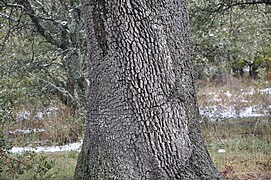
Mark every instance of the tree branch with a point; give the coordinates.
(31, 13)
(226, 4)
(4, 16)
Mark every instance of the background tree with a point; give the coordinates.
(43, 49)
(229, 36)
(143, 117)
(46, 42)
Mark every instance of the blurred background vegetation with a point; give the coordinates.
(43, 48)
(43, 61)
(230, 39)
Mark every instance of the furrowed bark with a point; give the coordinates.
(143, 117)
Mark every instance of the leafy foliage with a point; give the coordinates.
(228, 35)
(35, 165)
(46, 48)
(44, 52)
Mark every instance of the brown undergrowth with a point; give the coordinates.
(52, 125)
(246, 145)
(240, 148)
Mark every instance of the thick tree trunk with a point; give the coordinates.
(143, 117)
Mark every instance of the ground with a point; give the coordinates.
(236, 125)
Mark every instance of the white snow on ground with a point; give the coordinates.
(26, 115)
(233, 111)
(250, 112)
(267, 90)
(215, 112)
(228, 94)
(26, 131)
(49, 149)
(216, 98)
(253, 91)
(22, 116)
(221, 151)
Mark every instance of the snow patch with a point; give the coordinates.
(228, 94)
(22, 116)
(250, 112)
(49, 149)
(221, 112)
(221, 151)
(26, 131)
(267, 90)
(26, 115)
(216, 98)
(253, 91)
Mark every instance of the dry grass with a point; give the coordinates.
(229, 95)
(65, 164)
(63, 167)
(247, 145)
(59, 126)
(246, 142)
(235, 95)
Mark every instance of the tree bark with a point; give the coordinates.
(143, 116)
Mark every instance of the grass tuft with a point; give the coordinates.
(247, 147)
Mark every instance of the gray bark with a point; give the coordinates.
(143, 117)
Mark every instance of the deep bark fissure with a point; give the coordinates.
(142, 98)
(99, 18)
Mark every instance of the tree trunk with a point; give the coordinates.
(143, 116)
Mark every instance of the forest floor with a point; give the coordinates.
(234, 100)
(236, 125)
(240, 149)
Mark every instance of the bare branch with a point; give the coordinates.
(4, 16)
(31, 13)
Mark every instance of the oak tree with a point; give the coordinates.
(143, 115)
